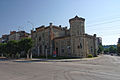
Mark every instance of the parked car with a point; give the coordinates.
(111, 54)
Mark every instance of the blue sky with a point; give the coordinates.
(102, 16)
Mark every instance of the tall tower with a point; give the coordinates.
(77, 32)
(77, 26)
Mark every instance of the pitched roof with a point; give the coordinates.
(76, 18)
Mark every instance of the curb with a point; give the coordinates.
(53, 60)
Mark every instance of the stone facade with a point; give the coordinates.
(5, 38)
(18, 35)
(43, 38)
(71, 42)
(14, 36)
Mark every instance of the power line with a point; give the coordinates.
(103, 23)
(104, 18)
(31, 24)
(104, 27)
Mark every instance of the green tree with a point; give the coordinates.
(115, 50)
(106, 50)
(2, 48)
(12, 48)
(118, 49)
(25, 45)
(112, 49)
(100, 49)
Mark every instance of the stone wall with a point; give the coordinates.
(62, 46)
(66, 42)
(43, 38)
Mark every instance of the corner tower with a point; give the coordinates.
(77, 26)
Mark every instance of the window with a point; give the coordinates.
(78, 32)
(80, 45)
(40, 38)
(91, 49)
(40, 49)
(62, 50)
(81, 24)
(43, 35)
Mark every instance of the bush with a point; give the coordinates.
(90, 55)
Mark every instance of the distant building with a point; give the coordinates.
(18, 35)
(5, 38)
(73, 42)
(14, 36)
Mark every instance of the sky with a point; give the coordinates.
(102, 17)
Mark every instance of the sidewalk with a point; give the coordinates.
(54, 60)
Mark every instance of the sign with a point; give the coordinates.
(54, 53)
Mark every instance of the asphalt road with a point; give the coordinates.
(103, 68)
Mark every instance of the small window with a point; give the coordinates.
(39, 38)
(91, 49)
(45, 47)
(80, 45)
(43, 35)
(78, 32)
(62, 50)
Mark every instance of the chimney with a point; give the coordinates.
(60, 26)
(94, 35)
(12, 32)
(66, 27)
(50, 24)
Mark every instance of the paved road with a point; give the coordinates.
(103, 68)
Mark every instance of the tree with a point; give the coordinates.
(118, 49)
(112, 49)
(100, 49)
(25, 45)
(115, 50)
(106, 50)
(12, 48)
(2, 48)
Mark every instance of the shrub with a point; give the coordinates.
(90, 55)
